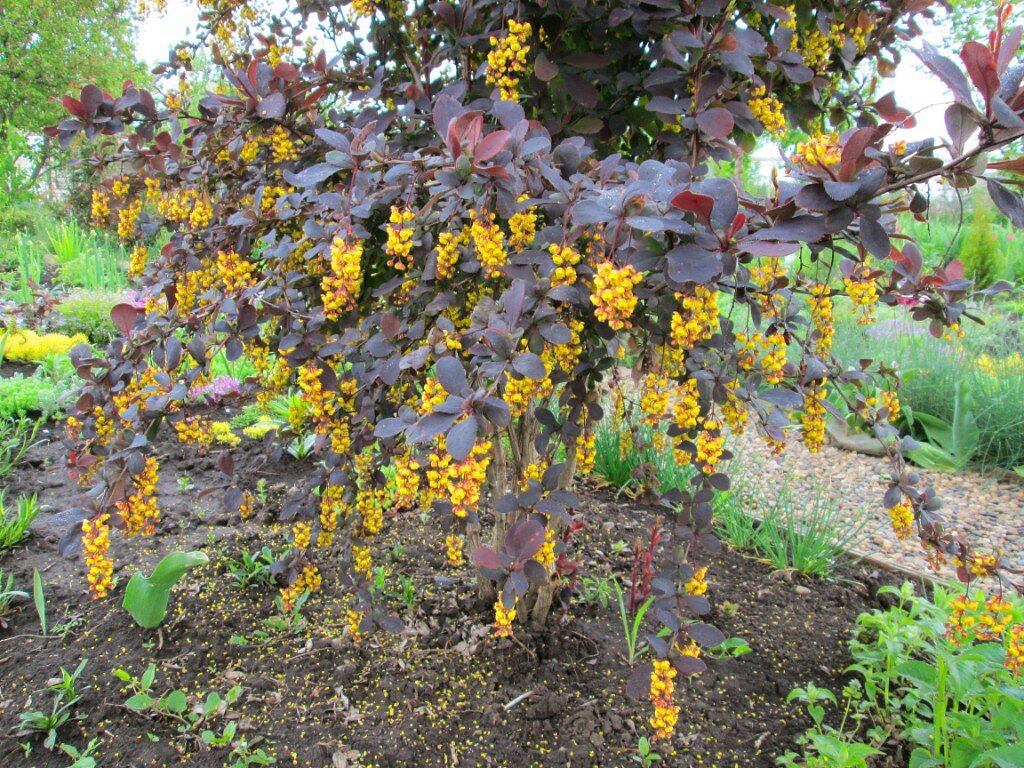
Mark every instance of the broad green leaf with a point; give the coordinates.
(174, 702)
(146, 596)
(139, 702)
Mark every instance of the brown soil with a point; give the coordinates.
(443, 692)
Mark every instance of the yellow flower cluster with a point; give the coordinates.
(247, 505)
(546, 554)
(565, 260)
(954, 331)
(697, 320)
(774, 348)
(186, 207)
(764, 275)
(863, 292)
(768, 110)
(710, 445)
(613, 298)
(27, 346)
(654, 396)
(342, 286)
(820, 151)
(363, 9)
(817, 46)
(698, 585)
(522, 226)
(891, 400)
(354, 620)
(586, 452)
(308, 580)
(302, 533)
(453, 550)
(399, 245)
(126, 219)
(258, 430)
(448, 246)
(507, 59)
(195, 430)
(282, 147)
(813, 417)
(859, 35)
(1012, 365)
(901, 518)
(152, 190)
(332, 506)
(139, 511)
(820, 302)
(221, 431)
(459, 482)
(137, 261)
(234, 271)
(370, 506)
(488, 243)
(503, 619)
(686, 409)
(433, 395)
(406, 482)
(95, 546)
(666, 711)
(100, 208)
(362, 560)
(1015, 650)
(734, 411)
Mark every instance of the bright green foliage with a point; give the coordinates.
(87, 259)
(146, 596)
(88, 312)
(20, 395)
(14, 523)
(926, 676)
(980, 253)
(50, 48)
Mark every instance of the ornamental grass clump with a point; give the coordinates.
(391, 265)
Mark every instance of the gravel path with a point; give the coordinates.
(989, 511)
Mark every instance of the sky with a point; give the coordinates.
(915, 88)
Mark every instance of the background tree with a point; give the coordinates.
(47, 49)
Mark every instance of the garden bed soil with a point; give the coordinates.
(442, 693)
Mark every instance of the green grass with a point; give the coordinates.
(932, 368)
(14, 523)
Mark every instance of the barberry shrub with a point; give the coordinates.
(453, 236)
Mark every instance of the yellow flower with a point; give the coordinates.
(820, 151)
(613, 298)
(768, 110)
(503, 619)
(95, 545)
(666, 712)
(488, 243)
(507, 59)
(308, 580)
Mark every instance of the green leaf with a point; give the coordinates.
(1009, 756)
(39, 598)
(139, 702)
(147, 677)
(174, 702)
(146, 597)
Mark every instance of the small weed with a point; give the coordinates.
(14, 524)
(66, 695)
(252, 569)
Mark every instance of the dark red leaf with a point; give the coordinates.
(716, 122)
(124, 316)
(981, 66)
(487, 558)
(491, 145)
